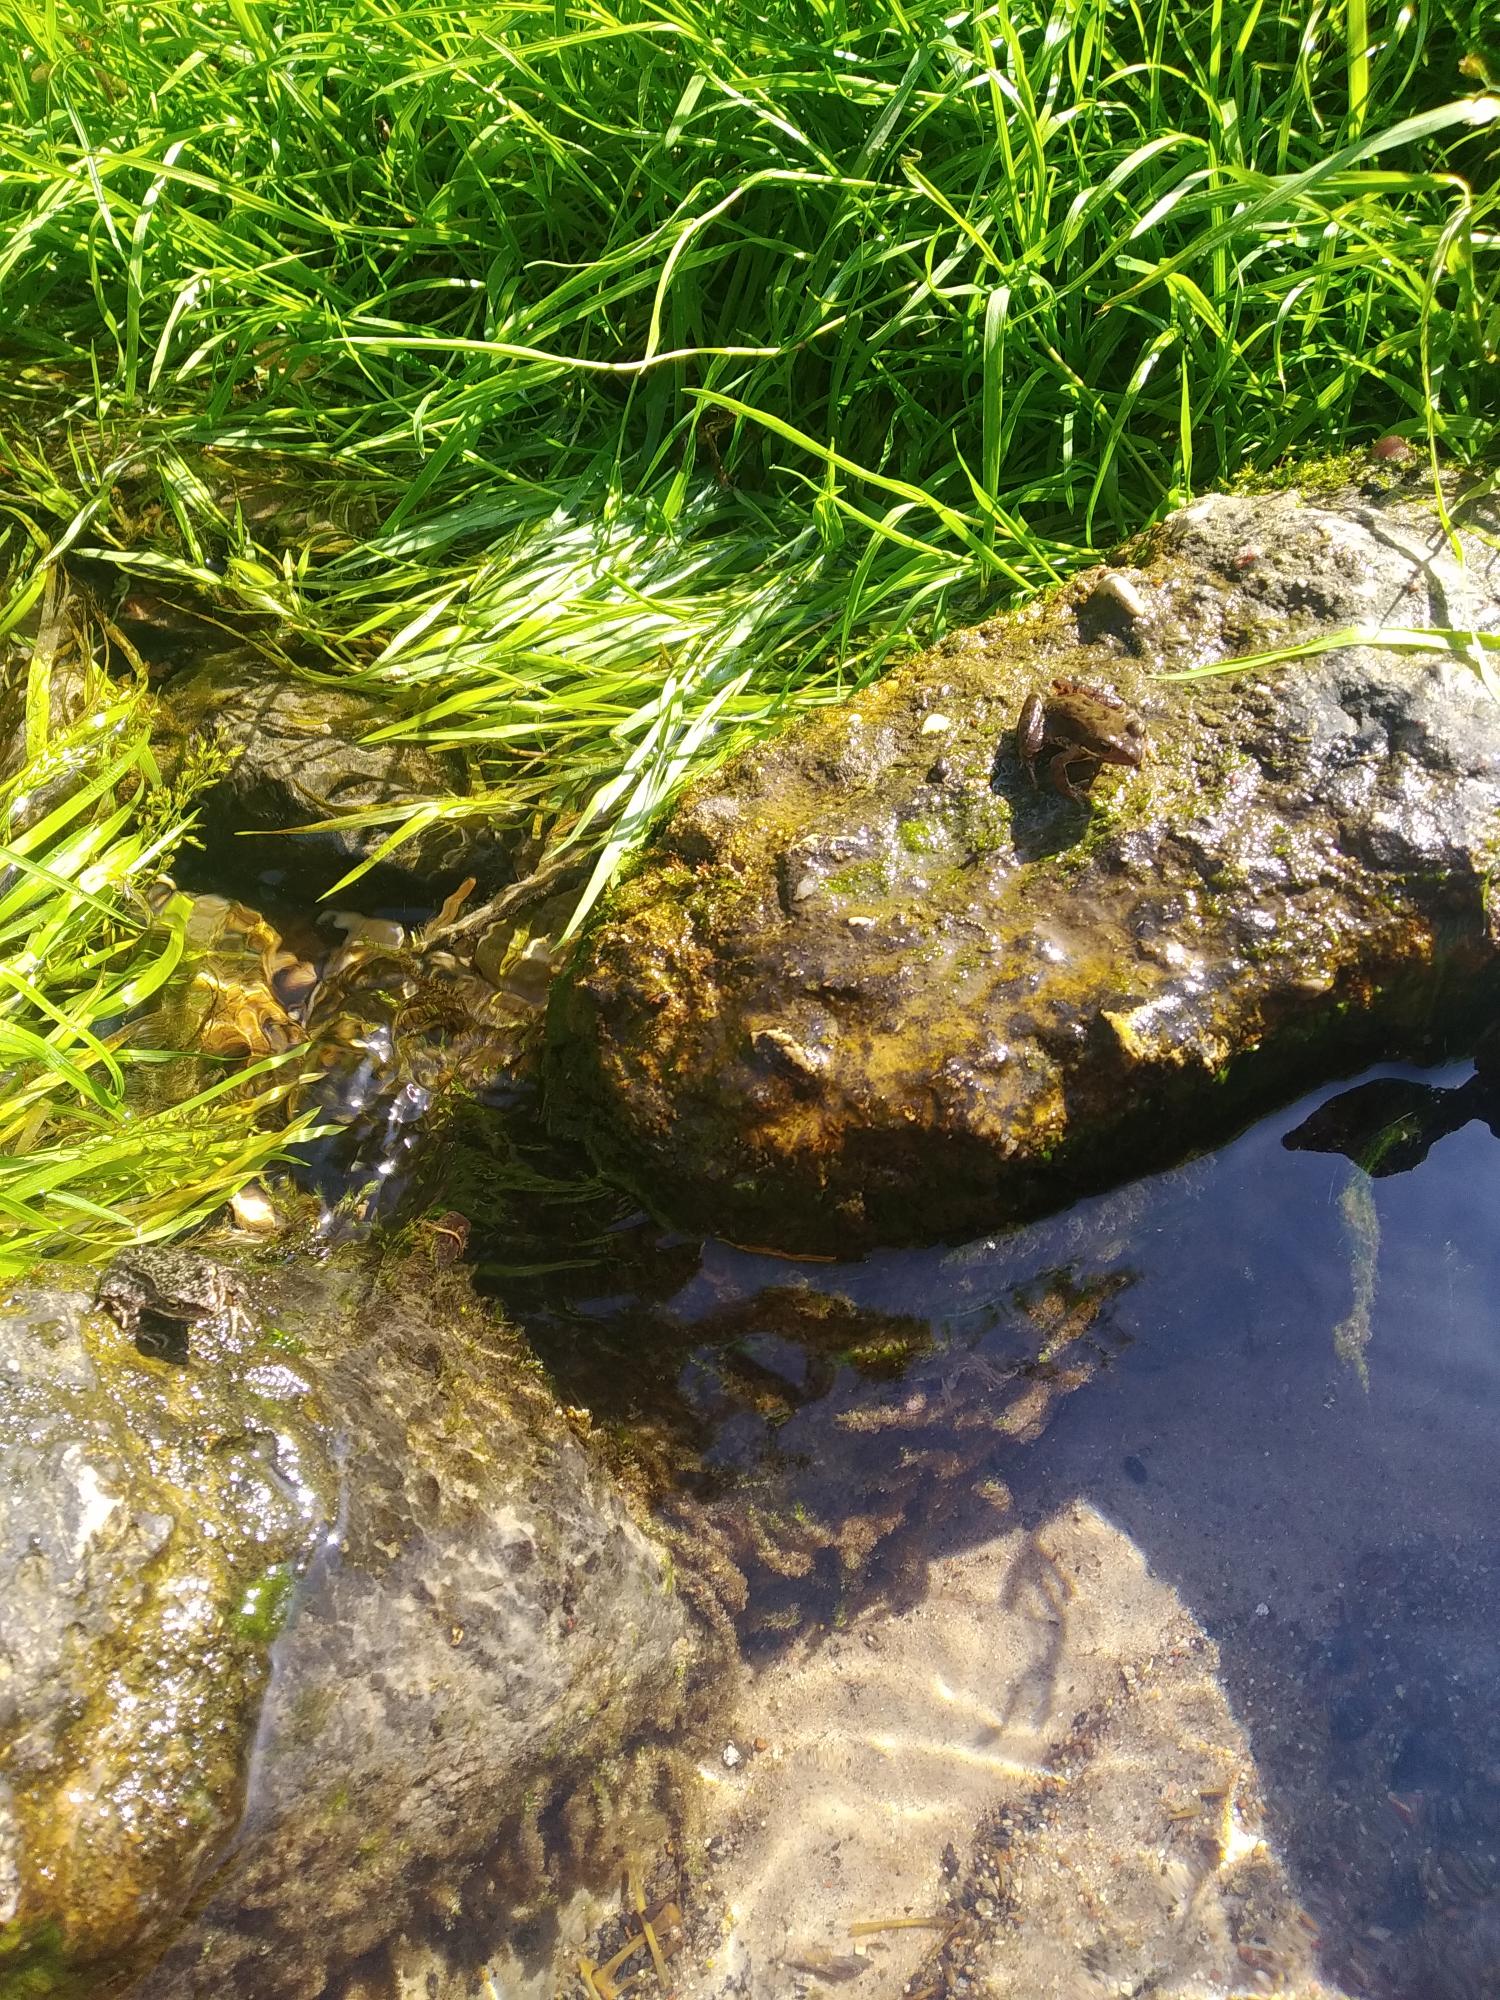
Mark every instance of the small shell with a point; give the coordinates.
(1120, 590)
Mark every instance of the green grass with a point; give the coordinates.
(1479, 651)
(90, 936)
(686, 357)
(605, 380)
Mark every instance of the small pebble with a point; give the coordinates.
(252, 1210)
(1120, 590)
(732, 1756)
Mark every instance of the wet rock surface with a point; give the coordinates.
(150, 1518)
(876, 984)
(321, 1632)
(302, 758)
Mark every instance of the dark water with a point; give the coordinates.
(1188, 1356)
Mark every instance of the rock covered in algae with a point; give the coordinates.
(319, 1630)
(874, 984)
(150, 1519)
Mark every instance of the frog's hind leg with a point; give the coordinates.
(1061, 772)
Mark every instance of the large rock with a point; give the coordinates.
(874, 985)
(318, 1624)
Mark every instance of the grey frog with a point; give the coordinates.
(156, 1293)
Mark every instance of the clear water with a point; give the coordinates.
(1186, 1357)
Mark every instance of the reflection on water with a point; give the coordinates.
(1174, 1360)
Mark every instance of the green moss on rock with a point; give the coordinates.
(831, 1042)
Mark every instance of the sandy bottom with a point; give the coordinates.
(1205, 1701)
(1055, 1696)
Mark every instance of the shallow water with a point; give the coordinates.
(1175, 1366)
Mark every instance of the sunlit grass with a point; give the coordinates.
(1478, 651)
(88, 1160)
(691, 358)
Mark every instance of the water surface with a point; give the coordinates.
(1275, 1378)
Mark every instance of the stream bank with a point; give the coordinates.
(863, 1472)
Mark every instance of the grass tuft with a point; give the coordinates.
(691, 358)
(90, 936)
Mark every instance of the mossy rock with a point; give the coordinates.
(305, 1631)
(800, 1024)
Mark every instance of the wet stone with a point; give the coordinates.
(843, 1004)
(141, 1534)
(303, 766)
(322, 1633)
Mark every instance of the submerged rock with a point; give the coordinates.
(319, 1626)
(303, 758)
(880, 981)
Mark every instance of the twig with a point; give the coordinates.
(873, 1924)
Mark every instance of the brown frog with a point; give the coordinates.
(1072, 731)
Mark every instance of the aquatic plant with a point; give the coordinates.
(1360, 1225)
(687, 358)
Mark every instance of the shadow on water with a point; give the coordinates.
(1276, 1372)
